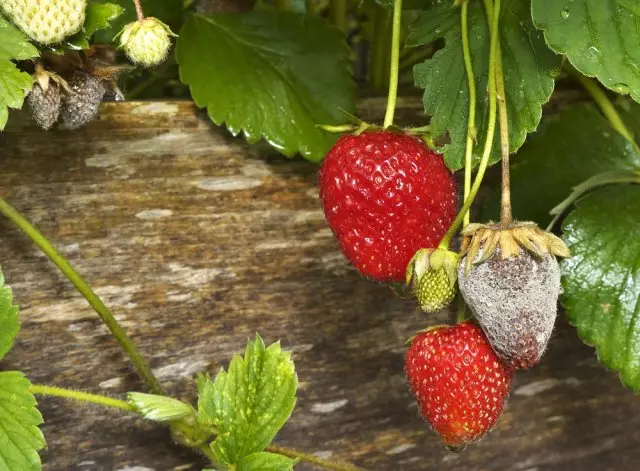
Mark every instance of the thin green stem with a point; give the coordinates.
(338, 14)
(461, 315)
(506, 216)
(491, 127)
(607, 108)
(381, 20)
(471, 126)
(81, 285)
(395, 61)
(291, 453)
(42, 390)
(283, 5)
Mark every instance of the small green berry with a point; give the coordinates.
(434, 290)
(146, 42)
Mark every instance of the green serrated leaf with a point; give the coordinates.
(9, 320)
(14, 85)
(264, 461)
(601, 280)
(271, 75)
(159, 408)
(20, 437)
(528, 64)
(600, 38)
(99, 16)
(567, 149)
(251, 402)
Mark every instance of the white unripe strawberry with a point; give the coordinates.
(46, 21)
(146, 42)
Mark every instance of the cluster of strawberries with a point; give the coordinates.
(390, 200)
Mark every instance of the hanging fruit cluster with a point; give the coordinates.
(392, 204)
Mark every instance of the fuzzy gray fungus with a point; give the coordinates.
(45, 105)
(80, 106)
(515, 302)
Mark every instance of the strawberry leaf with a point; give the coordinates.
(600, 38)
(271, 75)
(529, 68)
(567, 149)
(14, 84)
(159, 408)
(20, 437)
(602, 279)
(266, 462)
(250, 403)
(9, 321)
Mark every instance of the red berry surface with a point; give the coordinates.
(459, 382)
(386, 195)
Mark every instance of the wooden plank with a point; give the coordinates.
(197, 240)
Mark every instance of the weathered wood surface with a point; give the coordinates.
(197, 241)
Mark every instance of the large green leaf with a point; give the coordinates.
(99, 16)
(9, 321)
(20, 437)
(249, 403)
(567, 149)
(602, 279)
(14, 85)
(271, 75)
(264, 461)
(529, 69)
(599, 37)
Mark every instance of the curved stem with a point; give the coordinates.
(607, 108)
(52, 391)
(338, 13)
(139, 10)
(291, 453)
(471, 126)
(491, 127)
(395, 61)
(81, 285)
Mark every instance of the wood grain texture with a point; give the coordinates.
(196, 241)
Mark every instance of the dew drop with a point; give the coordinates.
(565, 13)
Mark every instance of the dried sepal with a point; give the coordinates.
(482, 240)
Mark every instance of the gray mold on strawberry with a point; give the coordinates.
(515, 302)
(45, 104)
(81, 104)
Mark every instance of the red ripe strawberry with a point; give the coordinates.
(386, 195)
(459, 382)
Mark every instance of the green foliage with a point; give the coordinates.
(529, 70)
(249, 404)
(99, 16)
(9, 321)
(263, 461)
(601, 279)
(160, 408)
(271, 75)
(600, 38)
(20, 437)
(568, 148)
(14, 84)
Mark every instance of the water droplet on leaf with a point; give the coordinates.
(565, 13)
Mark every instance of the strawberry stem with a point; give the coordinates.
(471, 127)
(607, 108)
(395, 63)
(491, 128)
(338, 14)
(139, 10)
(142, 367)
(43, 390)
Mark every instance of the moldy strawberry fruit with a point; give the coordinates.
(510, 279)
(386, 195)
(460, 384)
(46, 21)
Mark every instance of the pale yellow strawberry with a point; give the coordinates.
(146, 42)
(46, 21)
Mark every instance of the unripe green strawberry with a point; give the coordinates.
(434, 291)
(146, 42)
(46, 21)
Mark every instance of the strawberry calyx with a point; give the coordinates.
(482, 241)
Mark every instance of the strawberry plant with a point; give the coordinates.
(562, 226)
